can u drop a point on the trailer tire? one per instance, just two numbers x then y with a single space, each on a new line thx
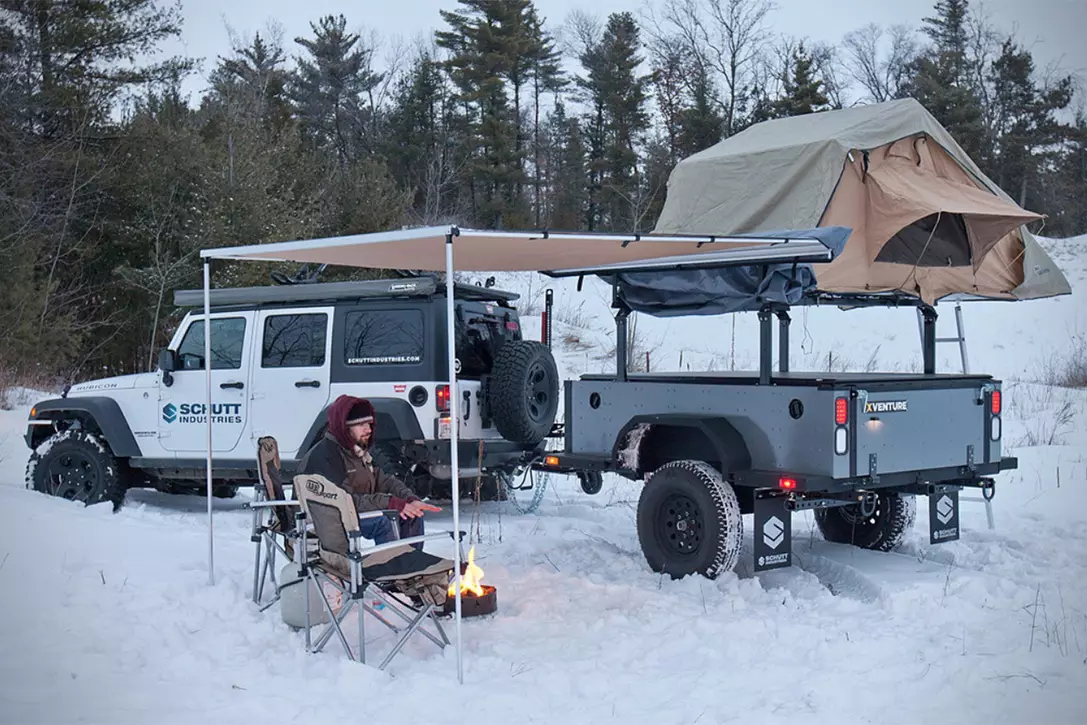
882 531
523 393
689 521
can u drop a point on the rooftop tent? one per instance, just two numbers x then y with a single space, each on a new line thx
926 221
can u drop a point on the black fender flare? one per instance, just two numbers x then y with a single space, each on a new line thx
106 414
727 444
395 421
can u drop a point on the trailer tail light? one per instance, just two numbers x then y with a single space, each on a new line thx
995 402
552 461
441 395
787 483
841 411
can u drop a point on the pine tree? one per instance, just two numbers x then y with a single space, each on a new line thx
1028 133
617 119
941 82
802 91
330 88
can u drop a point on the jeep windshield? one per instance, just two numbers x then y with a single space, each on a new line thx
481 329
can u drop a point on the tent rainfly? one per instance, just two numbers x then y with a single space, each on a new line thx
432 249
926 221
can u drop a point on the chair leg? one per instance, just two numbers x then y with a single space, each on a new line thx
256 575
334 625
404 638
392 604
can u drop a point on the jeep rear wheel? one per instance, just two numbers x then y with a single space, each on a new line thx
76 465
523 393
689 521
881 530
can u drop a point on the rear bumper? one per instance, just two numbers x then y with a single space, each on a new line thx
494 454
932 476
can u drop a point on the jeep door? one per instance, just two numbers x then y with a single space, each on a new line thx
290 375
182 415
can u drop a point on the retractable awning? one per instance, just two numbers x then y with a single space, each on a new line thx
556 253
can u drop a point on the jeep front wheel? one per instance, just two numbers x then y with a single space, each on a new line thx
76 465
523 393
689 521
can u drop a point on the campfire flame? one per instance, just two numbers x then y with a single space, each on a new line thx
471 580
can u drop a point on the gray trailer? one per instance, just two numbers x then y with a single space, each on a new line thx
857 448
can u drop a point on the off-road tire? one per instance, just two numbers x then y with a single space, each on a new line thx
882 531
82 466
388 458
709 540
523 392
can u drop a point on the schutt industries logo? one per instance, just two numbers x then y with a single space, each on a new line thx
169 412
773 532
945 509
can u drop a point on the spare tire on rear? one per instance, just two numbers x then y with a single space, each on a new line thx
523 393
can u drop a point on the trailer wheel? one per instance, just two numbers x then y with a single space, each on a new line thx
883 530
689 521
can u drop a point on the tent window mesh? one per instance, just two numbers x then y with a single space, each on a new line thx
948 247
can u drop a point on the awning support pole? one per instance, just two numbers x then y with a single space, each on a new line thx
207 413
454 424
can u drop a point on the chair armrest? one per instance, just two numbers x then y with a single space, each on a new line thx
271 504
391 513
409 540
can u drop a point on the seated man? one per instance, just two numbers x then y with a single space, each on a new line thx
343 456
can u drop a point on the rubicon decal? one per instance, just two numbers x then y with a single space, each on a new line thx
885 406
197 413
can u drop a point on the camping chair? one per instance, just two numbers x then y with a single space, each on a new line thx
274 526
410 582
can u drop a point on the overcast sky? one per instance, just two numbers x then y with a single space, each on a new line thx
1052 29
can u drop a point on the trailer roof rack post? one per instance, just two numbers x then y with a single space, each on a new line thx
928 338
783 339
766 344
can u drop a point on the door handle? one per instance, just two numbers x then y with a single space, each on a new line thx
238 386
307 384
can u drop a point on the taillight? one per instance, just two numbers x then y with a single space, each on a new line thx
787 483
995 402
841 411
441 396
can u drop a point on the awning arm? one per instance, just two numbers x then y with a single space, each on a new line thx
779 251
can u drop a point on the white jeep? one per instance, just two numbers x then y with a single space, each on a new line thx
280 355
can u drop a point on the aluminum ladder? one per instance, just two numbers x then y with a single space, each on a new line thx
960 338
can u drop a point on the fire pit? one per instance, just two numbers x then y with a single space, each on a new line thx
476 598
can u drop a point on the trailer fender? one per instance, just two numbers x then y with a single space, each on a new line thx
647 442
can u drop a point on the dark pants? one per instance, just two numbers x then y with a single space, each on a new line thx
380 530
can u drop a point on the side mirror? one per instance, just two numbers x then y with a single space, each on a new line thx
167 360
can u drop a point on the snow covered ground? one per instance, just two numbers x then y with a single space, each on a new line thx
108 618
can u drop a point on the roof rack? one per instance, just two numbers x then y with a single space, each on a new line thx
336 291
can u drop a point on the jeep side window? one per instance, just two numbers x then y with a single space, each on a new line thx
294 341
227 340
383 337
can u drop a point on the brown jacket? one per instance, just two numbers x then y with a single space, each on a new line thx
369 486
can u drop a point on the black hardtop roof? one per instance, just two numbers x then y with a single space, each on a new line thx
338 291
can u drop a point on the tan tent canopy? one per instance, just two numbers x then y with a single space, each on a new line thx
926 221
